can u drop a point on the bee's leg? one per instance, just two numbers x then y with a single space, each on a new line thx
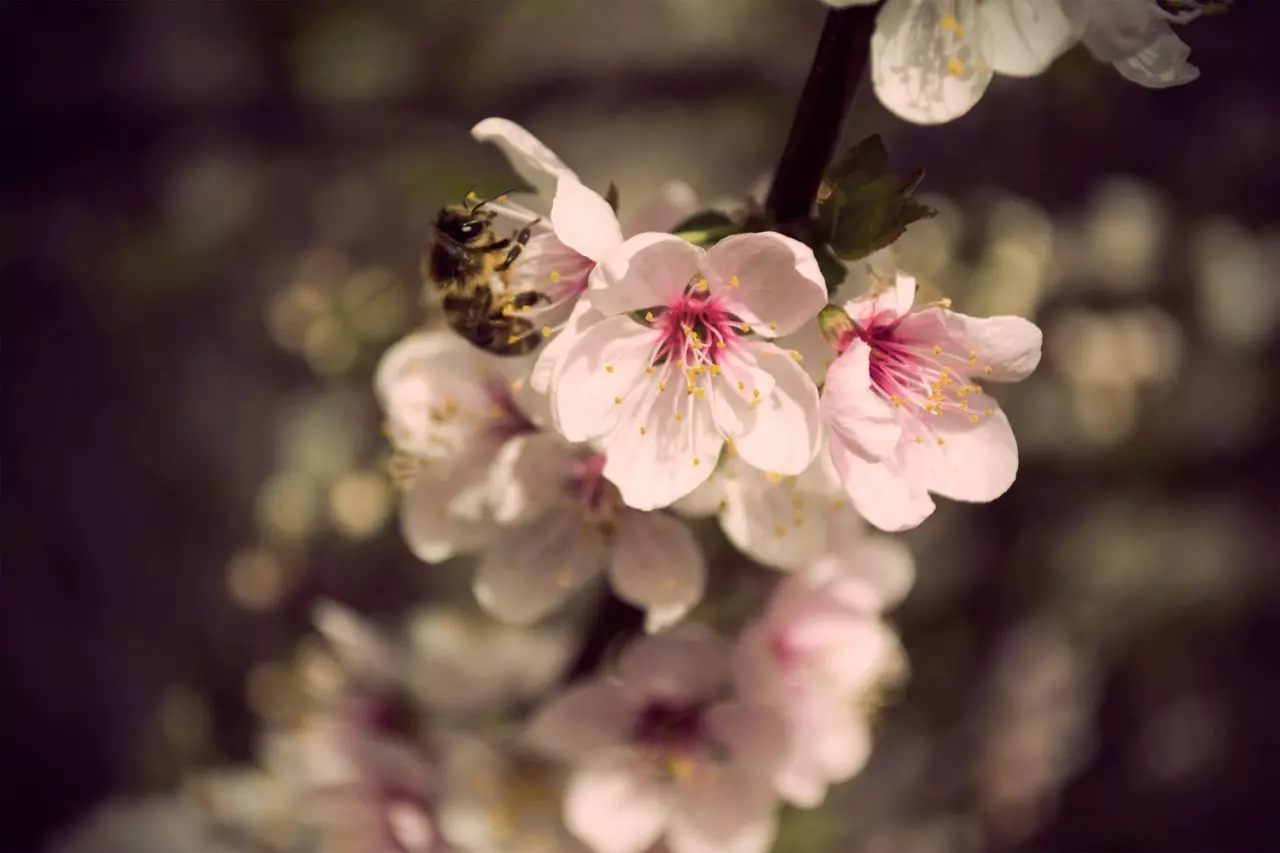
520 241
495 246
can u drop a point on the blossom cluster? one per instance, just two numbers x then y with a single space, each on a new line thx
933 59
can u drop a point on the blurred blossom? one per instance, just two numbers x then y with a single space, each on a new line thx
355 54
1123 235
255 578
287 506
1180 739
160 824
321 434
185 721
211 197
1013 273
360 503
344 209
1235 277
930 246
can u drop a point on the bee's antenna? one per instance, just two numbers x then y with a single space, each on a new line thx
499 197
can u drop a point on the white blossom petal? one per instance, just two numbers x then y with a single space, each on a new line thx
860 420
583 220
646 271
978 462
882 492
657 565
583 720
525 475
687 663
1027 37
782 431
927 66
444 513
615 805
769 280
531 160
605 365
528 572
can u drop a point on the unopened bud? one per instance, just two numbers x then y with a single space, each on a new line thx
835 325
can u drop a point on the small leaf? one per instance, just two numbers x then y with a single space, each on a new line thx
612 196
875 214
833 269
707 220
868 157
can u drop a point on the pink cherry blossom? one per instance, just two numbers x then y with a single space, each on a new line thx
662 750
818 649
905 413
678 361
563 522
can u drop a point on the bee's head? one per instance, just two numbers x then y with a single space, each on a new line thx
463 225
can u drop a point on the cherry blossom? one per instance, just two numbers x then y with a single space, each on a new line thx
564 522
664 750
677 360
905 414
1136 37
817 651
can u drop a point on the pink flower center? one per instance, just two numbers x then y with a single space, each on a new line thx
919 370
696 329
669 728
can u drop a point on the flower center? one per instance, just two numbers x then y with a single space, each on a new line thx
920 374
696 330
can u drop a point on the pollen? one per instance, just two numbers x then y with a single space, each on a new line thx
517 384
662 386
715 369
702 284
941 441
779 531
555 276
919 439
775 477
702 393
649 369
734 281
988 412
937 350
755 392
564 580
773 327
608 368
648 316
799 503
987 370
679 416
617 401
742 386
508 310
955 67
722 506
973 419
696 461
838 503
797 356
546 331
746 328
643 431
720 344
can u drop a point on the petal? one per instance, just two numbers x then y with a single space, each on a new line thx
526 469
685 663
437 517
883 563
615 806
770 281
729 813
605 364
676 201
584 719
1009 346
583 220
769 522
860 420
1161 64
547 367
655 457
704 501
755 734
1027 37
657 565
977 462
927 67
646 271
528 572
816 355
531 160
782 431
886 493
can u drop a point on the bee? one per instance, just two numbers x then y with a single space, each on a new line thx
461 265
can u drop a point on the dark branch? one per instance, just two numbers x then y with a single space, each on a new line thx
838 65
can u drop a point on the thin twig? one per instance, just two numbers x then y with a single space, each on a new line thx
838 66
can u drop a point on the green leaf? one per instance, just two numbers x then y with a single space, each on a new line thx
707 220
612 196
833 269
868 157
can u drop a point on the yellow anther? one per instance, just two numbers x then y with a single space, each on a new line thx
746 328
798 503
838 503
973 419
608 368
511 339
681 768
679 416
648 315
733 281
720 344
689 391
680 363
797 356
779 531
715 369
722 506
526 308
945 302
649 369
702 393
471 195
742 386
797 521
946 371
702 284
773 327
502 199
755 392
617 400
546 331
941 441
662 386
919 440
508 310
517 384
987 370
643 431
988 412
696 461
949 23
555 276
937 350
775 477
955 67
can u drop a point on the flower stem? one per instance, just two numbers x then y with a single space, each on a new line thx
838 65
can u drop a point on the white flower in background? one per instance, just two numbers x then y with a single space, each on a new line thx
904 412
453 660
450 408
161 824
501 799
1136 37
932 60
563 523
816 653
671 373
662 750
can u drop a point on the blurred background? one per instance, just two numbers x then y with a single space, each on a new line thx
210 223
